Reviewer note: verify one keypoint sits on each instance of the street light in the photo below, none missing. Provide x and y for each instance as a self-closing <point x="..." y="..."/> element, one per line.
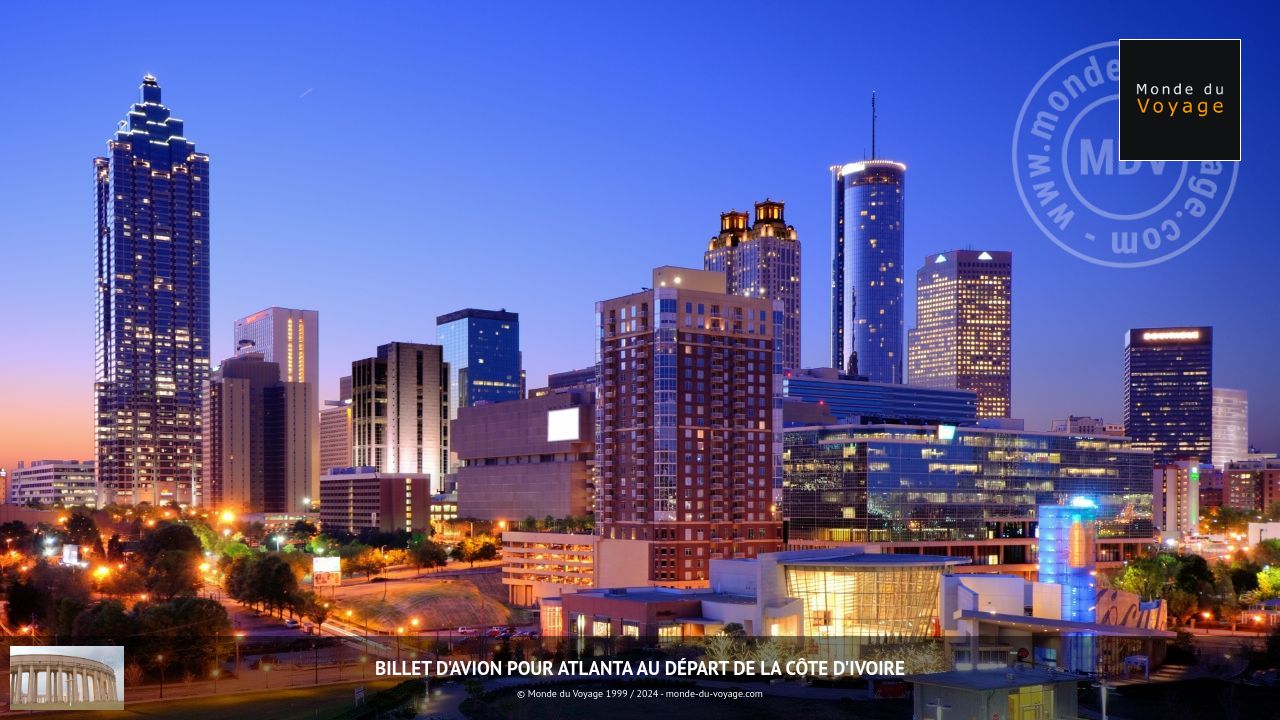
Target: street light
<point x="239" y="636"/>
<point x="279" y="541"/>
<point x="160" y="661"/>
<point x="399" y="633"/>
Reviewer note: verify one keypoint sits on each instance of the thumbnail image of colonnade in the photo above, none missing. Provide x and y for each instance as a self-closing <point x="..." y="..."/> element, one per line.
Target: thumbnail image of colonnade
<point x="60" y="680"/>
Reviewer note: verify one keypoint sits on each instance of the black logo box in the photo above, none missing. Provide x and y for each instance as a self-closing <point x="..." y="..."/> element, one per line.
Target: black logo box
<point x="1185" y="64"/>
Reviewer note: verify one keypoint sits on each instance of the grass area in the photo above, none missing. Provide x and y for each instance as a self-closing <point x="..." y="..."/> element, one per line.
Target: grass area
<point x="286" y="704"/>
<point x="436" y="603"/>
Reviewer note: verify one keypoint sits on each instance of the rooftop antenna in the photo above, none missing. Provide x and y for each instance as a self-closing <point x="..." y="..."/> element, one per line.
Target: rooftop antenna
<point x="873" y="124"/>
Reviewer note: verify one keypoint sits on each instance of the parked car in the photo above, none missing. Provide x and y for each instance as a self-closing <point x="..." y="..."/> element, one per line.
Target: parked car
<point x="309" y="628"/>
<point x="467" y="631"/>
<point x="291" y="623"/>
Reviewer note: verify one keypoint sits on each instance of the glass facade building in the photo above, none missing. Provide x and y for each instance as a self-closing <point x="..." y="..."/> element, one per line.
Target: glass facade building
<point x="1168" y="392"/>
<point x="887" y="483"/>
<point x="962" y="337"/>
<point x="858" y="402"/>
<point x="482" y="348"/>
<point x="152" y="325"/>
<point x="867" y="269"/>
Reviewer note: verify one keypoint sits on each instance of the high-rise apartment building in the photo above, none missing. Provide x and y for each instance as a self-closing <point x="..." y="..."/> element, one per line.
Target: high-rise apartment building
<point x="1230" y="426"/>
<point x="258" y="454"/>
<point x="687" y="451"/>
<point x="400" y="410"/>
<point x="962" y="337"/>
<point x="290" y="338"/>
<point x="762" y="260"/>
<point x="152" y="327"/>
<point x="1176" y="498"/>
<point x="335" y="429"/>
<point x="357" y="499"/>
<point x="1168" y="400"/>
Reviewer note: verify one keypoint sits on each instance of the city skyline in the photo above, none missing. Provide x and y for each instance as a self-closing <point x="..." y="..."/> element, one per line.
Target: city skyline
<point x="55" y="393"/>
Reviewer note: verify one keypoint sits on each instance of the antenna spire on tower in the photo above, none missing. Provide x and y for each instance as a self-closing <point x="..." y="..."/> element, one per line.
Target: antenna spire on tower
<point x="873" y="124"/>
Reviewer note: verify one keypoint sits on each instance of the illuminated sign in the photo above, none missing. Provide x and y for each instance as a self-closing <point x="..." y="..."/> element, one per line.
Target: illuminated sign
<point x="1158" y="335"/>
<point x="563" y="425"/>
<point x="326" y="571"/>
<point x="946" y="432"/>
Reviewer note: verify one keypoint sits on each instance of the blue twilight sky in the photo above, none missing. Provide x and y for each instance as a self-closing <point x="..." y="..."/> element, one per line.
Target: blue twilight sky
<point x="387" y="162"/>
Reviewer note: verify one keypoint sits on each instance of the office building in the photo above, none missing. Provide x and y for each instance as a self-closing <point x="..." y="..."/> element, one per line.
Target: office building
<point x="962" y="337"/>
<point x="1230" y="426"/>
<point x="852" y="401"/>
<point x="583" y="379"/>
<point x="66" y="483"/>
<point x="687" y="444"/>
<point x="964" y="491"/>
<point x="400" y="410"/>
<point x="335" y="429"/>
<point x="867" y="256"/>
<point x="482" y="348"/>
<point x="152" y="326"/>
<point x="361" y="498"/>
<point x="258" y="454"/>
<point x="762" y="260"/>
<point x="1085" y="425"/>
<point x="1176" y="498"/>
<point x="1252" y="484"/>
<point x="290" y="338"/>
<point x="1168" y="386"/>
<point x="526" y="458"/>
<point x="287" y="337"/>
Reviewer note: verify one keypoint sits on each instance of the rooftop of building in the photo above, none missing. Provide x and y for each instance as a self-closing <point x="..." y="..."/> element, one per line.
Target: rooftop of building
<point x="995" y="679"/>
<point x="1036" y="624"/>
<point x="662" y="594"/>
<point x="478" y="314"/>
<point x="865" y="560"/>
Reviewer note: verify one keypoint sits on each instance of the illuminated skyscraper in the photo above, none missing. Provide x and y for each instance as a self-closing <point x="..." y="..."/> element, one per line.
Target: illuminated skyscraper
<point x="963" y="326"/>
<point x="400" y="410"/>
<point x="867" y="256"/>
<point x="762" y="261"/>
<point x="482" y="348"/>
<point x="290" y="338"/>
<point x="688" y="449"/>
<point x="152" y="328"/>
<point x="1230" y="426"/>
<point x="1168" y="400"/>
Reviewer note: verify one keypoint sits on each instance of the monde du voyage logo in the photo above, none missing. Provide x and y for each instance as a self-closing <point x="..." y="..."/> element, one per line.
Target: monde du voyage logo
<point x="1175" y="180"/>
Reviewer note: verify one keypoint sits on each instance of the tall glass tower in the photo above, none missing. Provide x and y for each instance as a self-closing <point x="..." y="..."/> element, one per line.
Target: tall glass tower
<point x="867" y="255"/>
<point x="482" y="348"/>
<point x="152" y="327"/>
<point x="1168" y="392"/>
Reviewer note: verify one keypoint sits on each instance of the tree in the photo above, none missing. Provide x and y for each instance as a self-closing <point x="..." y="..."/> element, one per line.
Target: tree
<point x="315" y="610"/>
<point x="83" y="531"/>
<point x="303" y="530"/>
<point x="1269" y="583"/>
<point x="734" y="629"/>
<point x="173" y="573"/>
<point x="170" y="536"/>
<point x="471" y="550"/>
<point x="428" y="554"/>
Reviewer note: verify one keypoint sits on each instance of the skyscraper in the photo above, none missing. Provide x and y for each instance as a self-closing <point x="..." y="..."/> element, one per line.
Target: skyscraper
<point x="1168" y="398"/>
<point x="688" y="454"/>
<point x="400" y="410"/>
<point x="335" y="429"/>
<point x="258" y="454"/>
<point x="152" y="327"/>
<point x="290" y="338"/>
<point x="962" y="336"/>
<point x="1230" y="426"/>
<point x="867" y="256"/>
<point x="482" y="348"/>
<point x="762" y="261"/>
